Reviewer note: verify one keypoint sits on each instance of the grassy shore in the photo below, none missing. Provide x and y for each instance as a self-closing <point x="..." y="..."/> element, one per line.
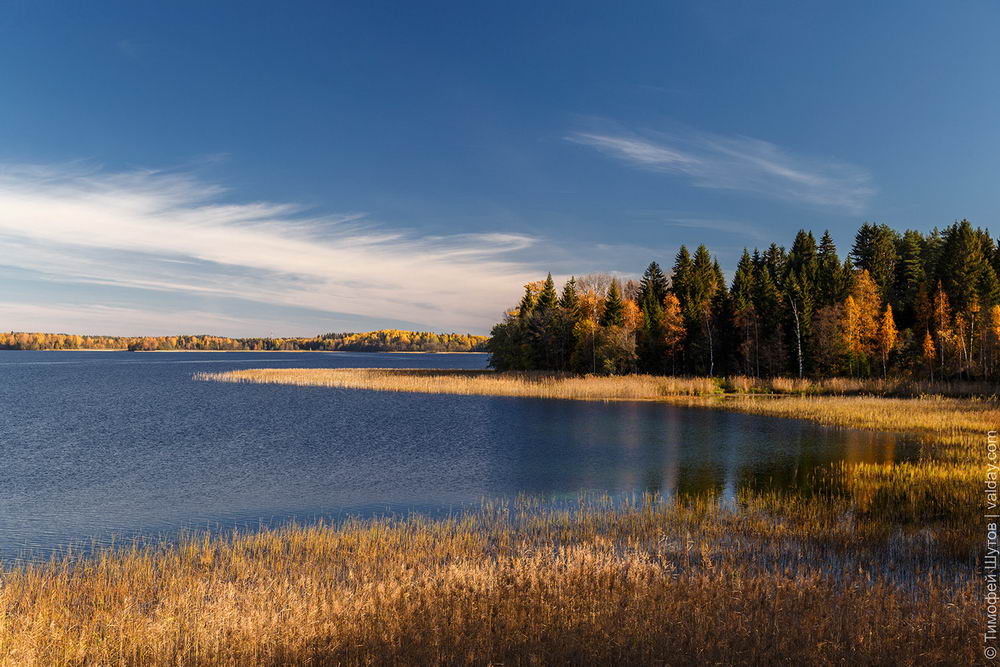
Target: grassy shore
<point x="931" y="410"/>
<point x="876" y="566"/>
<point x="775" y="580"/>
<point x="594" y="387"/>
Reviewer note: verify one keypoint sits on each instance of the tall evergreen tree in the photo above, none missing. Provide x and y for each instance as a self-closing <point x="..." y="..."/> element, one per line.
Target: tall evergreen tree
<point x="704" y="283"/>
<point x="773" y="359"/>
<point x="652" y="287"/>
<point x="570" y="299"/>
<point x="614" y="307"/>
<point x="961" y="265"/>
<point x="829" y="280"/>
<point x="527" y="304"/>
<point x="680" y="283"/>
<point x="651" y="345"/>
<point x="745" y="324"/>
<point x="910" y="275"/>
<point x="547" y="298"/>
<point x="874" y="251"/>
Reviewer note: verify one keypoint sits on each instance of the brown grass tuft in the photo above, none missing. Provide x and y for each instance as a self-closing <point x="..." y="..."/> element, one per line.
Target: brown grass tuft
<point x="655" y="582"/>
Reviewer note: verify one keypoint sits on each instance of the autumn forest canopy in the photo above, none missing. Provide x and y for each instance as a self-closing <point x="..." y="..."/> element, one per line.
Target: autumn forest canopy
<point x="384" y="340"/>
<point x="924" y="305"/>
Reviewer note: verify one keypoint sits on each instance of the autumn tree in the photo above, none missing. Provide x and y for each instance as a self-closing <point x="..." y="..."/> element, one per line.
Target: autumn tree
<point x="887" y="335"/>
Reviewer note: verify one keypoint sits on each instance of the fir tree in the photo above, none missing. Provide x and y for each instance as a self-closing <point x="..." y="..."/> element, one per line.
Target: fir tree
<point x="681" y="278"/>
<point x="570" y="299"/>
<point x="547" y="299"/>
<point x="652" y="287"/>
<point x="614" y="307"/>
<point x="527" y="304"/>
<point x="910" y="275"/>
<point x="829" y="279"/>
<point x="875" y="251"/>
<point x="743" y="317"/>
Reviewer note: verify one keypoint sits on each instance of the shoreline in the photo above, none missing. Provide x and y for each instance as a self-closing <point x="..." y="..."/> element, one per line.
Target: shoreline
<point x="122" y="349"/>
<point x="947" y="419"/>
<point x="761" y="580"/>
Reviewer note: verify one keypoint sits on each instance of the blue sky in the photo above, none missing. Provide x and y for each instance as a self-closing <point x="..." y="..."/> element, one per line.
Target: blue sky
<point x="252" y="168"/>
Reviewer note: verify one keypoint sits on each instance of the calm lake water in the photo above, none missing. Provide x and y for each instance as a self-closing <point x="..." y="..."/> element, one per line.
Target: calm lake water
<point x="96" y="444"/>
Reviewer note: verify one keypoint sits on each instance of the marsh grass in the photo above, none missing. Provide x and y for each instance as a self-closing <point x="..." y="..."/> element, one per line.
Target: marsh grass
<point x="487" y="383"/>
<point x="774" y="580"/>
<point x="876" y="565"/>
<point x="936" y="494"/>
<point x="541" y="384"/>
<point x="843" y="402"/>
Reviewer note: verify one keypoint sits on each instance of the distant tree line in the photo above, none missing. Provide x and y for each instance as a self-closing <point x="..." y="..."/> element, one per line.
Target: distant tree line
<point x="385" y="340"/>
<point x="927" y="305"/>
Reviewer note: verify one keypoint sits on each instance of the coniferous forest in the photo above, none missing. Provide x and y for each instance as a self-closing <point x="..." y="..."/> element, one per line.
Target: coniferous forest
<point x="915" y="304"/>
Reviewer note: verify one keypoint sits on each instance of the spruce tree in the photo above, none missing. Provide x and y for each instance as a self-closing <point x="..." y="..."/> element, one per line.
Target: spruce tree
<point x="910" y="275"/>
<point x="875" y="251"/>
<point x="742" y="289"/>
<point x="570" y="299"/>
<point x="697" y="311"/>
<point x="547" y="299"/>
<point x="801" y="291"/>
<point x="527" y="304"/>
<point x="828" y="276"/>
<point x="743" y="317"/>
<point x="680" y="283"/>
<point x="652" y="287"/>
<point x="776" y="260"/>
<point x="651" y="348"/>
<point x="614" y="307"/>
<point x="961" y="265"/>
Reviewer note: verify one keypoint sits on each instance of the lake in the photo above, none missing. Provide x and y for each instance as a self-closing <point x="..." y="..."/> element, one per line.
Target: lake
<point x="102" y="444"/>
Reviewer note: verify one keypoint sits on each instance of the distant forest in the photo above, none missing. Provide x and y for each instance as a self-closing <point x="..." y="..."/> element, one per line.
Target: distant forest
<point x="385" y="340"/>
<point x="923" y="305"/>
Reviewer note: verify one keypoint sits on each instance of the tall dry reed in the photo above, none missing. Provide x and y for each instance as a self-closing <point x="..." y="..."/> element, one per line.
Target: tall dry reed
<point x="776" y="581"/>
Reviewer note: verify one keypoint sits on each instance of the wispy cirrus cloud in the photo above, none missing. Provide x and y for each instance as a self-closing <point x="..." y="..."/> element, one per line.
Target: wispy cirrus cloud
<point x="158" y="232"/>
<point x="731" y="227"/>
<point x="741" y="164"/>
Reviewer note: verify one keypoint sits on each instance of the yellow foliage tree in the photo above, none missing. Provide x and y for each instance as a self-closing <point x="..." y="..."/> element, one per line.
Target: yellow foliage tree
<point x="929" y="352"/>
<point x="672" y="325"/>
<point x="887" y="335"/>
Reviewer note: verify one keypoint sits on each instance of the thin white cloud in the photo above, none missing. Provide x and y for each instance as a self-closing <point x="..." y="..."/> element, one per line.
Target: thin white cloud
<point x="168" y="232"/>
<point x="733" y="227"/>
<point x="740" y="164"/>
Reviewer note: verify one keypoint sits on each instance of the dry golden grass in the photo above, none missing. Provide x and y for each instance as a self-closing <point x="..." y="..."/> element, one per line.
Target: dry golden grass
<point x="540" y="384"/>
<point x="876" y="567"/>
<point x="945" y="418"/>
<point x="941" y="420"/>
<point x="483" y="383"/>
<point x="775" y="581"/>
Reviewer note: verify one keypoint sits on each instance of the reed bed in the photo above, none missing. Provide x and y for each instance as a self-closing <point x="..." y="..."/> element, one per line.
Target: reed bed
<point x="774" y="580"/>
<point x="483" y="383"/>
<point x="933" y="418"/>
<point x="828" y="401"/>
<point x="877" y="565"/>
<point x="541" y="384"/>
<point x="936" y="492"/>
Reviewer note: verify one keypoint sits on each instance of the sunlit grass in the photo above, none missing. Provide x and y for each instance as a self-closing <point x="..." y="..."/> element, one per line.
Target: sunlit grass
<point x="876" y="565"/>
<point x="533" y="384"/>
<point x="778" y="579"/>
<point x="839" y="401"/>
<point x="541" y="384"/>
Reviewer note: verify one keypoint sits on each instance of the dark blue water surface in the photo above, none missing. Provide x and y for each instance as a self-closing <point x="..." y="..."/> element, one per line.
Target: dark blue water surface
<point x="96" y="444"/>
